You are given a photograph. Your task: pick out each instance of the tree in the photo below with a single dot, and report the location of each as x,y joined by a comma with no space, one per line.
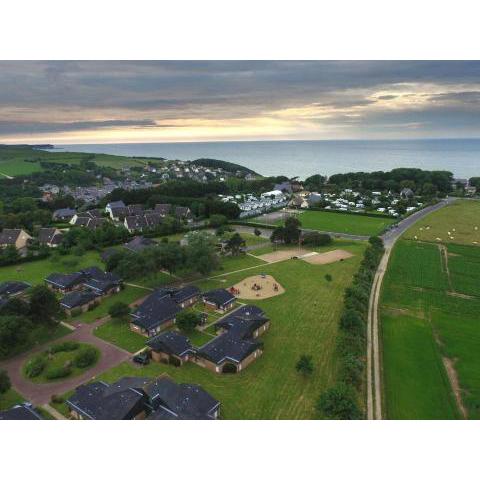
10,254
257,232
292,230
4,381
14,332
314,183
235,243
119,310
305,365
351,320
217,220
316,239
187,320
44,306
201,253
338,403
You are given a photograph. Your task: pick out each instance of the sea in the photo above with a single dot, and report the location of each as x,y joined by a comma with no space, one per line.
304,158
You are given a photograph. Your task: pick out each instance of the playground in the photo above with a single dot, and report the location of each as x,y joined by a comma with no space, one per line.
257,287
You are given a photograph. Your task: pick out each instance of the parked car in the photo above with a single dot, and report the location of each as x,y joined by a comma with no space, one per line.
142,358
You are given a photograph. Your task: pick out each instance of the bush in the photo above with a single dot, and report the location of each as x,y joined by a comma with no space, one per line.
67,346
339,403
54,373
119,310
35,366
57,399
316,239
85,358
328,277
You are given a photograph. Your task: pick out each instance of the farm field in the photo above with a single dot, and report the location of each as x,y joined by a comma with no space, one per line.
459,218
304,320
431,335
340,222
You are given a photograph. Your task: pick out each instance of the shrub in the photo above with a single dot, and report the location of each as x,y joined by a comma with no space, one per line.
54,373
67,346
119,310
35,366
316,239
351,320
85,357
328,277
57,399
339,403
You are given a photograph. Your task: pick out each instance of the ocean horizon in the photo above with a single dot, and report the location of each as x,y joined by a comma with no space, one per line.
302,158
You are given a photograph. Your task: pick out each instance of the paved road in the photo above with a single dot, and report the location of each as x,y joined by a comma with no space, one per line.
374,372
39,394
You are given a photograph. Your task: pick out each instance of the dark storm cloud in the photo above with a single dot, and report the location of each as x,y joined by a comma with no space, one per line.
169,90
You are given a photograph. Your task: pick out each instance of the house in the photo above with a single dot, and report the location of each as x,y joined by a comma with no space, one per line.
123,400
24,411
183,213
285,187
91,219
184,401
157,312
163,209
247,322
65,282
219,299
52,237
171,347
112,205
228,353
79,301
13,288
95,223
137,244
186,296
100,282
14,236
136,223
64,214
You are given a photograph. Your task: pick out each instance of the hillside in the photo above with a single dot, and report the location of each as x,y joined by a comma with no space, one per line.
227,166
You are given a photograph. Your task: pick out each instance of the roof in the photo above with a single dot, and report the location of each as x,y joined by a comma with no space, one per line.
243,321
172,343
157,308
13,287
64,213
135,223
115,204
228,347
163,208
219,297
181,401
186,293
96,222
77,299
23,411
9,236
182,211
139,243
50,235
98,274
101,401
65,280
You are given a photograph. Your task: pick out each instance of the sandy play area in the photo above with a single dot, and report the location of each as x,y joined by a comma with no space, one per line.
327,257
283,254
257,287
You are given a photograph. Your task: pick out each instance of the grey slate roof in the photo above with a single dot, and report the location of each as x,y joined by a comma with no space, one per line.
158,308
77,299
13,288
64,213
9,236
50,235
23,411
139,243
65,280
219,297
172,343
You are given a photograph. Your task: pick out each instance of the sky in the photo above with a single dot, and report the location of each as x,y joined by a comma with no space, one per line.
186,101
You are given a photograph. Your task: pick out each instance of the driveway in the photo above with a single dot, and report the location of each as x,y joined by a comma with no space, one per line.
40,394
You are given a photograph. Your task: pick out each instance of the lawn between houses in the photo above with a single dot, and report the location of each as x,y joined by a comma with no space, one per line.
304,320
429,314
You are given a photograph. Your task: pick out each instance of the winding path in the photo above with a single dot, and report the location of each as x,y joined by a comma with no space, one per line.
374,370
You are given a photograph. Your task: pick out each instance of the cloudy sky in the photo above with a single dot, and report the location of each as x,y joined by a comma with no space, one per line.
113,102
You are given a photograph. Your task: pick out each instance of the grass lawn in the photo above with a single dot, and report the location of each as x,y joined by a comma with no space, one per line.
459,218
9,399
117,331
127,295
19,167
304,320
36,271
233,263
58,360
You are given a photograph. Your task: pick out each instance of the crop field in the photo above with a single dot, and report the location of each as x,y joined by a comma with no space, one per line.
429,313
458,223
304,321
338,222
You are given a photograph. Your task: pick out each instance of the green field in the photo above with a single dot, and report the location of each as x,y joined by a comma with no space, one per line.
459,218
339,222
9,399
304,320
117,331
429,312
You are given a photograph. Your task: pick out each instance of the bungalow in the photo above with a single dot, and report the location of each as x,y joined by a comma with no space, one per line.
247,322
137,244
219,299
79,301
186,296
101,283
24,411
63,214
123,400
52,237
14,236
228,353
157,312
163,209
65,282
184,401
171,347
13,288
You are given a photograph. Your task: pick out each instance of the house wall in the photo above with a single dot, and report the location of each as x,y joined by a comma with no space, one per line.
153,332
203,362
162,357
261,330
22,240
